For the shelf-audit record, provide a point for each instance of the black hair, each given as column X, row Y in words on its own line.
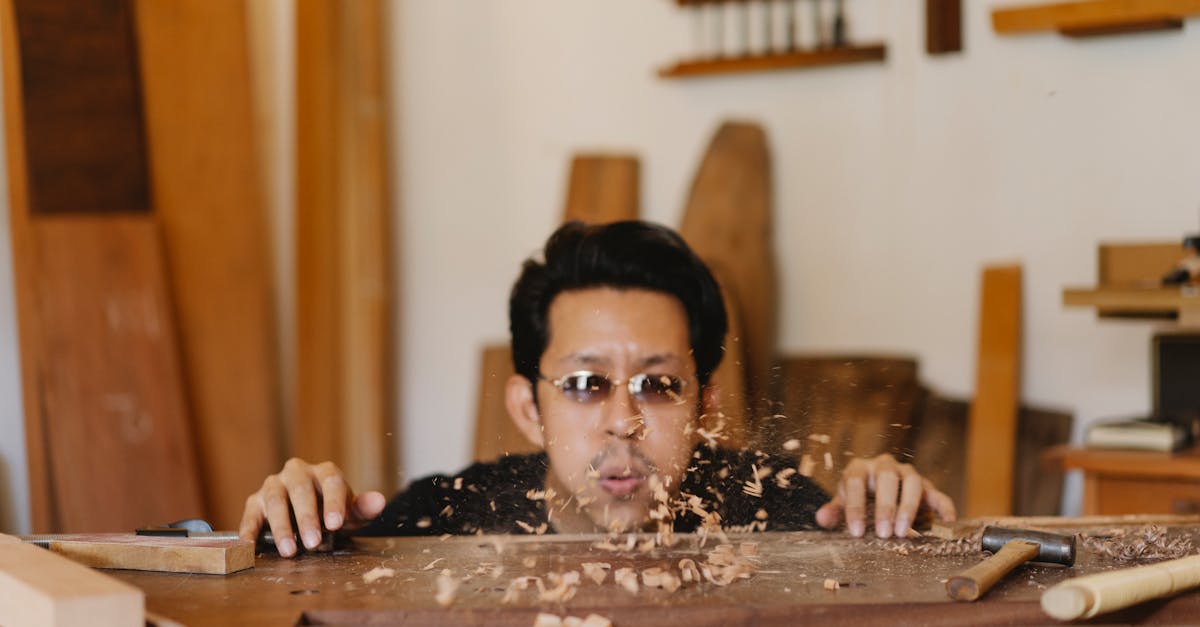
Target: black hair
column 627, row 254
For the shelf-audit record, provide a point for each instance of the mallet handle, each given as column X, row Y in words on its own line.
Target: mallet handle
column 975, row 581
column 1085, row 597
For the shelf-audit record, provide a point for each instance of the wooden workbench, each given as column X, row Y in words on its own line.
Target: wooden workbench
column 878, row 586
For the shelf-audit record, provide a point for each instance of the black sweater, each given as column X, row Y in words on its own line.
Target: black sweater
column 493, row 497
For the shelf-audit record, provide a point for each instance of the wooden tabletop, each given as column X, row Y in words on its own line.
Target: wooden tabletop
column 877, row 585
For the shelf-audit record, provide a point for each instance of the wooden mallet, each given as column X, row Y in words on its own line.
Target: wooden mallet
column 1011, row 548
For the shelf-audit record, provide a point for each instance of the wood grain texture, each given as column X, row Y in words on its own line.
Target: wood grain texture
column 727, row 221
column 208, row 197
column 879, row 587
column 974, row 582
column 342, row 245
column 41, row 589
column 118, row 437
column 1040, row 17
column 82, row 113
column 992, row 424
column 602, row 189
column 161, row 554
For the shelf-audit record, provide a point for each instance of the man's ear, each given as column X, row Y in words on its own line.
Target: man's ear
column 518, row 399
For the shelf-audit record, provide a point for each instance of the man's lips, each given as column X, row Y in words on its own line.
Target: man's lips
column 621, row 485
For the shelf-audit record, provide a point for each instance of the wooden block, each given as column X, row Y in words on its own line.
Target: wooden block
column 602, row 189
column 992, row 424
column 1135, row 264
column 209, row 199
column 39, row 588
column 943, row 26
column 164, row 554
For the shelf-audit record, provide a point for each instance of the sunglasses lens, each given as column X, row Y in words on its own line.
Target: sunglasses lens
column 586, row 387
column 658, row 388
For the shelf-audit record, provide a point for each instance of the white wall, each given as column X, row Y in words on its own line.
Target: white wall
column 894, row 182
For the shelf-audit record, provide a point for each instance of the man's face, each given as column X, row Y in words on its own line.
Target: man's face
column 604, row 452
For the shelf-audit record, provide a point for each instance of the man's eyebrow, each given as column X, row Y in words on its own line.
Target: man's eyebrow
column 658, row 359
column 584, row 358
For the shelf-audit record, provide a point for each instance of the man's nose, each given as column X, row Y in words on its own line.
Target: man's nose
column 622, row 415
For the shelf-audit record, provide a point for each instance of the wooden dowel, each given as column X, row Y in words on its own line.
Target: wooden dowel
column 1085, row 597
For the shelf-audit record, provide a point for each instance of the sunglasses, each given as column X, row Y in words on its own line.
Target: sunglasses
column 588, row 387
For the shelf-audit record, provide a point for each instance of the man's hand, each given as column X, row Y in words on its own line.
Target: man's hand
column 899, row 492
column 306, row 489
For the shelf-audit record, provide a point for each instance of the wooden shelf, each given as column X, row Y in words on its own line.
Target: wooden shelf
column 1092, row 18
column 778, row 61
column 1183, row 303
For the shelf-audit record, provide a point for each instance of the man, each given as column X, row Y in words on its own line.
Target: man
column 615, row 334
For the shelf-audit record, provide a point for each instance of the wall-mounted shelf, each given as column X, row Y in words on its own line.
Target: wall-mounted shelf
column 1133, row 302
column 1091, row 18
column 776, row 61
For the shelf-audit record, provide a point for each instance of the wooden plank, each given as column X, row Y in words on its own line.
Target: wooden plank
column 209, row 199
column 342, row 245
column 967, row 526
column 110, row 376
column 39, row 588
column 1040, row 17
column 602, row 188
column 1143, row 24
column 41, row 500
column 727, row 221
column 495, row 433
column 943, row 26
column 206, row 556
column 992, row 425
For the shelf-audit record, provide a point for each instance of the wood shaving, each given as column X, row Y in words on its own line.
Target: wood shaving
column 820, row 438
column 377, row 573
column 596, row 571
column 807, row 465
column 828, row 461
column 791, row 445
column 659, row 578
column 749, row 549
column 688, row 569
column 783, row 477
column 458, row 483
column 430, row 565
column 564, row 587
column 447, row 589
column 529, row 562
column 832, row 584
column 528, row 528
column 424, row 523
column 626, row 578
column 513, row 592
column 446, row 512
column 754, row 486
column 1150, row 542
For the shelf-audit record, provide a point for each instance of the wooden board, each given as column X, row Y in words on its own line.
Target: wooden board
column 344, row 339
column 39, row 588
column 495, row 433
column 727, row 220
column 116, row 427
column 964, row 527
column 205, row 556
column 1092, row 13
column 602, row 188
column 943, row 26
column 877, row 586
column 209, row 200
column 992, row 424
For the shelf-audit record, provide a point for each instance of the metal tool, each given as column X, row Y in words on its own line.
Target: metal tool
column 1011, row 548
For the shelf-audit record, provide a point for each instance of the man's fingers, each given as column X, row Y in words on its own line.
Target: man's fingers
column 303, row 496
column 335, row 494
column 887, row 488
column 273, row 501
column 830, row 514
column 939, row 502
column 910, row 502
column 367, row 507
column 854, row 493
column 252, row 519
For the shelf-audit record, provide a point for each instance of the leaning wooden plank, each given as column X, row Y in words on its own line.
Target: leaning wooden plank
column 165, row 554
column 495, row 433
column 210, row 203
column 992, row 424
column 727, row 220
column 602, row 188
column 39, row 588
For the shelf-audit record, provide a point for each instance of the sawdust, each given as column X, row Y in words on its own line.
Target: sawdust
column 447, row 589
column 377, row 573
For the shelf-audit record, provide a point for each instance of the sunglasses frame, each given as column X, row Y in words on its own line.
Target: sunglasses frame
column 633, row 384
